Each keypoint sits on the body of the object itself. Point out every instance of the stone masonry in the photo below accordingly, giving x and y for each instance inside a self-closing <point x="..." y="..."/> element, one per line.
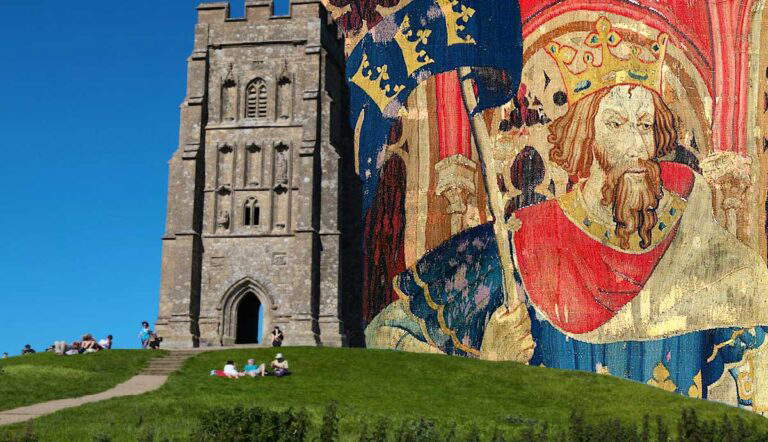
<point x="262" y="196"/>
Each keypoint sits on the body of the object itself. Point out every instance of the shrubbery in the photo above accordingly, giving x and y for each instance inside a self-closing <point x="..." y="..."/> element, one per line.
<point x="260" y="424"/>
<point x="248" y="424"/>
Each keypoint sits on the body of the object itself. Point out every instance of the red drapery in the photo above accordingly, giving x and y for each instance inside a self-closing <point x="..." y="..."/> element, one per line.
<point x="452" y="121"/>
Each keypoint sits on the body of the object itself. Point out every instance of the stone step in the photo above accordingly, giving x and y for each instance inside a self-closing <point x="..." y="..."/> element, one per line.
<point x="162" y="367"/>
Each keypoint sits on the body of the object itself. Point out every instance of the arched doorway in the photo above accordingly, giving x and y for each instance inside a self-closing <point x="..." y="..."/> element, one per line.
<point x="249" y="320"/>
<point x="246" y="306"/>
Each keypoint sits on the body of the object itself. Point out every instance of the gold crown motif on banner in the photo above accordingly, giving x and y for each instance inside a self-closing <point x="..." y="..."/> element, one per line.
<point x="381" y="94"/>
<point x="454" y="19"/>
<point x="611" y="69"/>
<point x="414" y="58"/>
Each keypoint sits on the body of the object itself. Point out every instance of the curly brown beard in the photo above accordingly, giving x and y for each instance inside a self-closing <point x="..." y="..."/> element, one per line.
<point x="634" y="201"/>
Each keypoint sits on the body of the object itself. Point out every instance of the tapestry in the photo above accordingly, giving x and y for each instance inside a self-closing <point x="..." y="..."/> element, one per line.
<point x="569" y="184"/>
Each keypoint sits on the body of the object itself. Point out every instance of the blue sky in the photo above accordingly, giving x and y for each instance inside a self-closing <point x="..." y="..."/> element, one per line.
<point x="89" y="96"/>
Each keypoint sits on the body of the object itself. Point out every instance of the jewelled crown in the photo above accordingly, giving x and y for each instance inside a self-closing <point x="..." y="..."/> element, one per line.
<point x="611" y="69"/>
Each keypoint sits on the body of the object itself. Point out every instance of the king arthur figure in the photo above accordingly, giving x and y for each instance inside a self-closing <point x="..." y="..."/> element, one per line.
<point x="627" y="274"/>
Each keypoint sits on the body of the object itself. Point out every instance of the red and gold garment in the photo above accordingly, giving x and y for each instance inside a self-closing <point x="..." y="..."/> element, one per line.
<point x="571" y="266"/>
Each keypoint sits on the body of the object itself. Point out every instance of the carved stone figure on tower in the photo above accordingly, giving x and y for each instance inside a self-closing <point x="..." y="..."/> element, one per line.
<point x="281" y="167"/>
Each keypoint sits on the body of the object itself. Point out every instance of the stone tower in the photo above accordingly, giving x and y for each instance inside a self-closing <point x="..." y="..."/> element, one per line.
<point x="263" y="202"/>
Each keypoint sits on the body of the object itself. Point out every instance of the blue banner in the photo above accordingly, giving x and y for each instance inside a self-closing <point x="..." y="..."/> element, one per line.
<point x="425" y="38"/>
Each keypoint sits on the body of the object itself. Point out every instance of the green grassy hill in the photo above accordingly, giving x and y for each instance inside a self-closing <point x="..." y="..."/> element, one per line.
<point x="369" y="385"/>
<point x="29" y="379"/>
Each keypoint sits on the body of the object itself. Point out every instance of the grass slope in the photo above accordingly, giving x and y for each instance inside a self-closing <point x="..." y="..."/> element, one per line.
<point x="369" y="384"/>
<point x="29" y="379"/>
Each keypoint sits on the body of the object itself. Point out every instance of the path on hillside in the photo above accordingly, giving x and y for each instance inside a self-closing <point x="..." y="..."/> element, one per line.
<point x="151" y="378"/>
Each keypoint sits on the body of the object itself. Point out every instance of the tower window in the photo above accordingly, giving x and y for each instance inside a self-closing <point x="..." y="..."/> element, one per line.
<point x="251" y="212"/>
<point x="256" y="99"/>
<point x="281" y="8"/>
<point x="255" y="210"/>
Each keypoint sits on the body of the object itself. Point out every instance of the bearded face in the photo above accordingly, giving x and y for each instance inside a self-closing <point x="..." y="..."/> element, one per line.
<point x="625" y="130"/>
<point x="633" y="191"/>
<point x="625" y="150"/>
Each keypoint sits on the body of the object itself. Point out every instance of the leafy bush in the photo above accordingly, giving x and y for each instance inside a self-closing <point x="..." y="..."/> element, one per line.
<point x="28" y="435"/>
<point x="417" y="431"/>
<point x="102" y="437"/>
<point x="259" y="424"/>
<point x="330" y="429"/>
<point x="252" y="424"/>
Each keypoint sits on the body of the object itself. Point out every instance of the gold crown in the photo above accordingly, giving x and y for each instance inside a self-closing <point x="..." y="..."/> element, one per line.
<point x="453" y="21"/>
<point x="413" y="59"/>
<point x="611" y="70"/>
<point x="381" y="95"/>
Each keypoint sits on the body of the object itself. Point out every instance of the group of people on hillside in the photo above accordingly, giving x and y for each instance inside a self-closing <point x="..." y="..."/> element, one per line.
<point x="87" y="344"/>
<point x="278" y="367"/>
<point x="148" y="338"/>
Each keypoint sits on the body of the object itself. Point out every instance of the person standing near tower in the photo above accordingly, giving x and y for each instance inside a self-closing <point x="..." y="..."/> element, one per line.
<point x="145" y="334"/>
<point x="277" y="337"/>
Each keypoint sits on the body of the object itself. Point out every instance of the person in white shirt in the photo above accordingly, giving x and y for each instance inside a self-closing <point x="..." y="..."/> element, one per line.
<point x="230" y="370"/>
<point x="106" y="344"/>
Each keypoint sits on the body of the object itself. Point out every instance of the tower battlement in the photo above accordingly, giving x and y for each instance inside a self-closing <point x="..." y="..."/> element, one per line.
<point x="220" y="12"/>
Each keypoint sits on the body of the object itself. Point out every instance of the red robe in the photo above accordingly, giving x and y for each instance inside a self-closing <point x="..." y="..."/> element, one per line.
<point x="576" y="281"/>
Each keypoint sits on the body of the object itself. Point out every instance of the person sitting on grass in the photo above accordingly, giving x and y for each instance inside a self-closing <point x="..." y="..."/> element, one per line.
<point x="154" y="341"/>
<point x="280" y="366"/>
<point x="230" y="370"/>
<point x="60" y="347"/>
<point x="253" y="370"/>
<point x="89" y="344"/>
<point x="106" y="344"/>
<point x="74" y="349"/>
<point x="27" y="350"/>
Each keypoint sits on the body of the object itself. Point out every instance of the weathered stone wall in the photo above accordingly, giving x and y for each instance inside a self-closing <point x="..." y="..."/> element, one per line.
<point x="256" y="188"/>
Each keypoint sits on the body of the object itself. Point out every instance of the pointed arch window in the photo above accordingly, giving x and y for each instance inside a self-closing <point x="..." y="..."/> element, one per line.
<point x="251" y="212"/>
<point x="256" y="99"/>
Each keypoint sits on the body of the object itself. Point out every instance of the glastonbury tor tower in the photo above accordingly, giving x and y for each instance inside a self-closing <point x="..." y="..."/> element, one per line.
<point x="262" y="223"/>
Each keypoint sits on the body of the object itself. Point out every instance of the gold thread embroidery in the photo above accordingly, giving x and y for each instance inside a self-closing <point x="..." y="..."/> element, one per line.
<point x="746" y="377"/>
<point x="602" y="369"/>
<point x="440" y="319"/>
<point x="396" y="287"/>
<point x="661" y="378"/>
<point x="667" y="218"/>
<point x="730" y="341"/>
<point x="407" y="300"/>
<point x="695" y="389"/>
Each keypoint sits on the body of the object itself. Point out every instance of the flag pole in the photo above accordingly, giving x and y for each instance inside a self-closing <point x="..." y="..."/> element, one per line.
<point x="508" y="333"/>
